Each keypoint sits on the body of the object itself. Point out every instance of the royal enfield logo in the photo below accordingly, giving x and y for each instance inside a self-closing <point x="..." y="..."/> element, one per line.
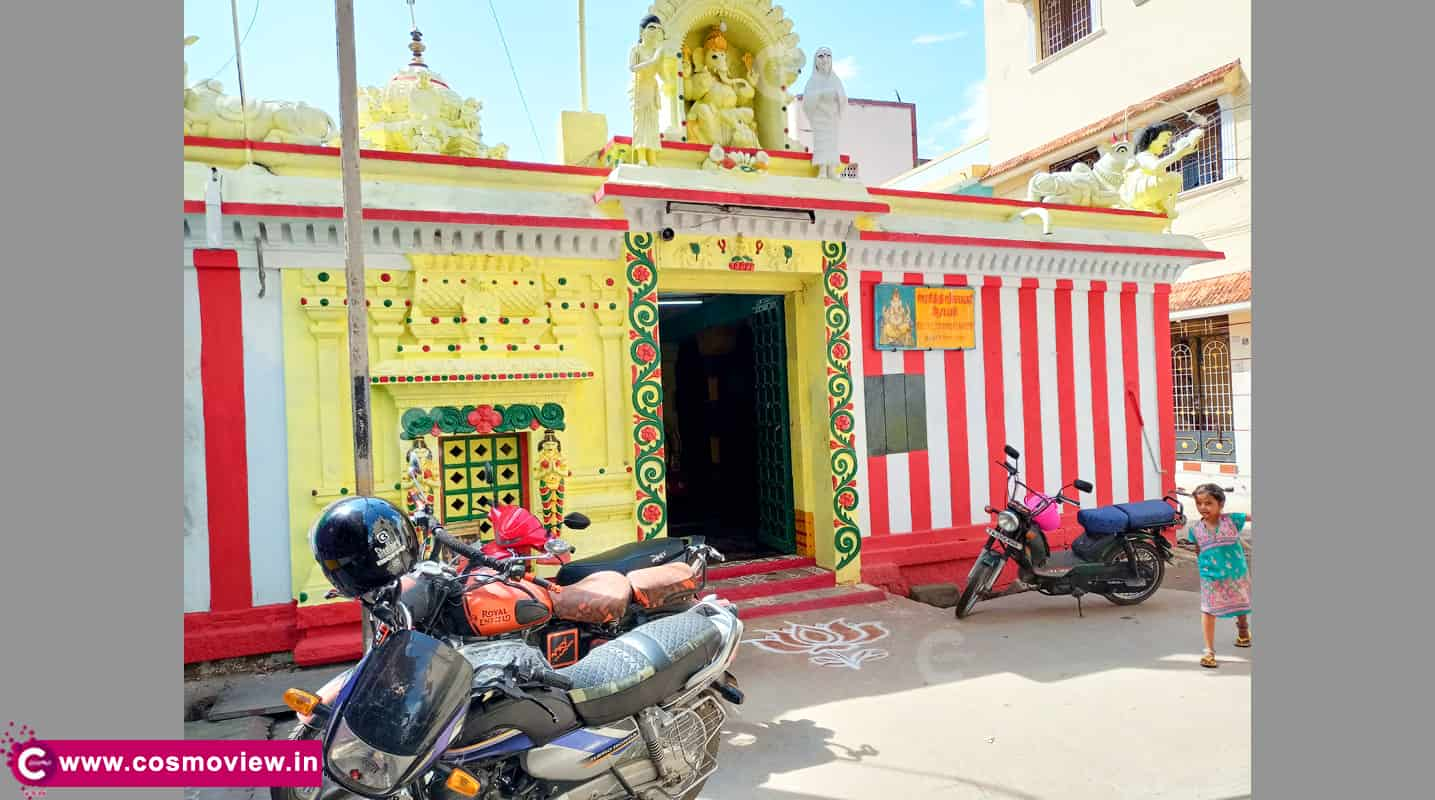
<point x="388" y="542"/>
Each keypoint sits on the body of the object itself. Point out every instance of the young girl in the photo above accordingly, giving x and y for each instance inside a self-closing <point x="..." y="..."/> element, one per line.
<point x="1225" y="580"/>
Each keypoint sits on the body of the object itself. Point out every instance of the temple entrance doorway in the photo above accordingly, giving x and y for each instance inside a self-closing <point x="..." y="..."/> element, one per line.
<point x="726" y="416"/>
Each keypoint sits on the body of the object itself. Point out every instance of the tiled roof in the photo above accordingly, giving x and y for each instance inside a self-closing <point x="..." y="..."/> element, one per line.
<point x="1209" y="292"/>
<point x="1101" y="125"/>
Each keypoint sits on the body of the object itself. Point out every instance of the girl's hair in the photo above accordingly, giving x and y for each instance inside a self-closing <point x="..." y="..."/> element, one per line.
<point x="648" y="20"/>
<point x="1149" y="135"/>
<point x="1212" y="491"/>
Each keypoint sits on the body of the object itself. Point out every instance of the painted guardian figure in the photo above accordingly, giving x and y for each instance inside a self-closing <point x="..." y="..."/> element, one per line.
<point x="824" y="100"/>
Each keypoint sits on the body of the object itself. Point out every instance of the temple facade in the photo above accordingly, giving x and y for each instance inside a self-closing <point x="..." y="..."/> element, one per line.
<point x="528" y="325"/>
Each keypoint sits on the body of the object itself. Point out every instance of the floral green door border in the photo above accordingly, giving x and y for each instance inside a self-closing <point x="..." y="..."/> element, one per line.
<point x="649" y="461"/>
<point x="836" y="314"/>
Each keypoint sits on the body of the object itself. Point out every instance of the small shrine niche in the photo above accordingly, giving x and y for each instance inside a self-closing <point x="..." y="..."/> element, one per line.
<point x="729" y="73"/>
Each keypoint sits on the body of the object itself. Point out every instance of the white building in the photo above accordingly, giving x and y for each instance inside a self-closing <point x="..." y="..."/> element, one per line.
<point x="879" y="135"/>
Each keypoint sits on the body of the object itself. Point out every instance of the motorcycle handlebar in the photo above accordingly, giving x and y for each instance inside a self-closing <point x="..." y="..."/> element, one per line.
<point x="467" y="551"/>
<point x="552" y="679"/>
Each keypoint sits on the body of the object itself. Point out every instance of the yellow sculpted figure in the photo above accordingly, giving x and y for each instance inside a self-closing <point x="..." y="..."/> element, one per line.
<point x="721" y="111"/>
<point x="1147" y="185"/>
<point x="896" y="326"/>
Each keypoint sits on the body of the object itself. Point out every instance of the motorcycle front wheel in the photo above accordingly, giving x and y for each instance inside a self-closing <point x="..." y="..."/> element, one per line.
<point x="979" y="581"/>
<point x="1149" y="565"/>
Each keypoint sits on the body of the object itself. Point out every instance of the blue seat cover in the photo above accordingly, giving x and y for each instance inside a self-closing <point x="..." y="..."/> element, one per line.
<point x="1102" y="521"/>
<point x="1148" y="513"/>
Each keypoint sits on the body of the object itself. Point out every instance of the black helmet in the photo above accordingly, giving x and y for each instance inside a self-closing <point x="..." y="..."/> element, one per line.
<point x="363" y="543"/>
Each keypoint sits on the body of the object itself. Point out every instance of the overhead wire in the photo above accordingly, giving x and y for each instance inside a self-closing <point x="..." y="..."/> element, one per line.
<point x="242" y="40"/>
<point x="514" y="69"/>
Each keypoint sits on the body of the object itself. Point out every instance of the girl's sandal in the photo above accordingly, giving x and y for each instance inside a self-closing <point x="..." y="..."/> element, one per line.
<point x="1209" y="660"/>
<point x="1243" y="641"/>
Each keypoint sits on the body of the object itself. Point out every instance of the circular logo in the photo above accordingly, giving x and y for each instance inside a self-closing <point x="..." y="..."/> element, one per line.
<point x="33" y="764"/>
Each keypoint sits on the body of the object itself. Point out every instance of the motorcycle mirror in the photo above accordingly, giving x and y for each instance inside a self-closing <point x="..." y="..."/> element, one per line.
<point x="558" y="547"/>
<point x="575" y="521"/>
<point x="1081" y="485"/>
<point x="1012" y="452"/>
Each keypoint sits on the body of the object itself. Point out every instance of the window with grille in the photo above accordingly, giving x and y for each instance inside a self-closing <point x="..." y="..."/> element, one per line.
<point x="1205" y="165"/>
<point x="1201" y="389"/>
<point x="850" y="171"/>
<point x="479" y="472"/>
<point x="1089" y="158"/>
<point x="1062" y="23"/>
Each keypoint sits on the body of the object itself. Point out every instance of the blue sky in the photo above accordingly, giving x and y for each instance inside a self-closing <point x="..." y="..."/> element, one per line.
<point x="930" y="51"/>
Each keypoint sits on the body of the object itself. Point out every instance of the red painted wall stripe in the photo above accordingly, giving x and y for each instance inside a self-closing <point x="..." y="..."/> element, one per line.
<point x="221" y="324"/>
<point x="1066" y="388"/>
<point x="1100" y="418"/>
<point x="992" y="363"/>
<point x="877" y="485"/>
<point x="919" y="474"/>
<point x="957" y="455"/>
<point x="871" y="356"/>
<point x="1131" y="392"/>
<point x="872" y="365"/>
<point x="1165" y="402"/>
<point x="1033" y="453"/>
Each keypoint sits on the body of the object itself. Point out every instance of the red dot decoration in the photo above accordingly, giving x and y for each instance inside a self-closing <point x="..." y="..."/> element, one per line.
<point x="433" y="320"/>
<point x="385" y="277"/>
<point x="303" y="301"/>
<point x="426" y="348"/>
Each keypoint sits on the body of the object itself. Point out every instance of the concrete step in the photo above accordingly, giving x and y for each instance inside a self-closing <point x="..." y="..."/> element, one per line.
<point x="263" y="695"/>
<point x="811" y="600"/>
<point x="762" y="584"/>
<point x="756" y="566"/>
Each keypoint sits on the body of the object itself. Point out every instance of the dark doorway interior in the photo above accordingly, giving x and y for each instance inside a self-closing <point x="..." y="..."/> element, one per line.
<point x="725" y="396"/>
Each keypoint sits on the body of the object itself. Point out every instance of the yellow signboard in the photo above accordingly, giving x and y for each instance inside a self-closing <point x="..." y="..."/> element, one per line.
<point x="946" y="318"/>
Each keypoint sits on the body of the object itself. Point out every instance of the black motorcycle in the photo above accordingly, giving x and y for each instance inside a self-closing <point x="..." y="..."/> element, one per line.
<point x="1120" y="555"/>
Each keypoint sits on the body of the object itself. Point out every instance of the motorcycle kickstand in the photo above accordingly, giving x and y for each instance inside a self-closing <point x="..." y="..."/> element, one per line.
<point x="1078" y="593"/>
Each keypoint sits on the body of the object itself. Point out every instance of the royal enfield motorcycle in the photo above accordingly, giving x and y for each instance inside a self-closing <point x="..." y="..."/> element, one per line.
<point x="491" y="591"/>
<point x="1121" y="554"/>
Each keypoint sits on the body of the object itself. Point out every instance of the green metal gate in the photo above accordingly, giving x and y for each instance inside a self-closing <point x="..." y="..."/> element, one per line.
<point x="776" y="523"/>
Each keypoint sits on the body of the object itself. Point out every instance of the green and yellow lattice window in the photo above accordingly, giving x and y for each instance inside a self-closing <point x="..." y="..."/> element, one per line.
<point x="479" y="471"/>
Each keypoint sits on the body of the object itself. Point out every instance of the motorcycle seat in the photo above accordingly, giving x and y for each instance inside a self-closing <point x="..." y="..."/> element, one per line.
<point x="643" y="667"/>
<point x="1123" y="517"/>
<point x="597" y="599"/>
<point x="623" y="559"/>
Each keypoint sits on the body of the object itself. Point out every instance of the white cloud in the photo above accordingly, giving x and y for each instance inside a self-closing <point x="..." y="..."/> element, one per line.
<point x="935" y="38"/>
<point x="973" y="117"/>
<point x="845" y="68"/>
<point x="955" y="130"/>
<point x="966" y="3"/>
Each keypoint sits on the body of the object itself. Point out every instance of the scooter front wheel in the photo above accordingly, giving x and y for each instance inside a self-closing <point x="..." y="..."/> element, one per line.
<point x="1149" y="565"/>
<point x="977" y="582"/>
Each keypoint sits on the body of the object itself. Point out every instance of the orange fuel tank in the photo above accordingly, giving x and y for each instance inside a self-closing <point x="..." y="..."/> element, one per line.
<point x="497" y="608"/>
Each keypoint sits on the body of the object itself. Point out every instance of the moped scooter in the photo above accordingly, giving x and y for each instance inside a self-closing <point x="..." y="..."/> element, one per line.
<point x="1121" y="554"/>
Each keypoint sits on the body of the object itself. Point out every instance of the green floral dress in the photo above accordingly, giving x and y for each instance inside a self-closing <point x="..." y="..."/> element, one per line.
<point x="1225" y="576"/>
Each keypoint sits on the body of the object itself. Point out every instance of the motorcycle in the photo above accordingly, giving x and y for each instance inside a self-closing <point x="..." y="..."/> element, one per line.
<point x="483" y="594"/>
<point x="419" y="718"/>
<point x="1121" y="554"/>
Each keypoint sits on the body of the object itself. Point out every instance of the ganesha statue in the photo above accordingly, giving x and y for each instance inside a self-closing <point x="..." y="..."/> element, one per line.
<point x="721" y="112"/>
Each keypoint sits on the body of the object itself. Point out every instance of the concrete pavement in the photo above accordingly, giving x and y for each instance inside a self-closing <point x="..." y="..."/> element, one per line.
<point x="1022" y="700"/>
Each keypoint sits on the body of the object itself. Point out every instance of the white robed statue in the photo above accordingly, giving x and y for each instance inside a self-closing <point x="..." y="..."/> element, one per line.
<point x="824" y="101"/>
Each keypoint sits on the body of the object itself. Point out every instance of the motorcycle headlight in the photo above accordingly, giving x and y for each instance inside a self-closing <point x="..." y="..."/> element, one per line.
<point x="1007" y="522"/>
<point x="360" y="767"/>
